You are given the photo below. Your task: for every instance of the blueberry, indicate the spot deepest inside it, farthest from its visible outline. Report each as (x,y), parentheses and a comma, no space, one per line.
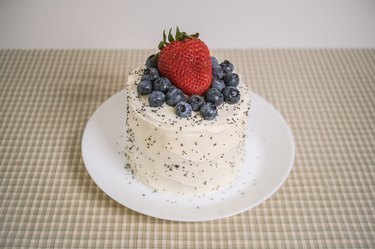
(174,95)
(217,83)
(232,80)
(208,111)
(156,98)
(150,74)
(214,62)
(231,95)
(217,72)
(183,109)
(162,84)
(144,87)
(152,61)
(227,67)
(196,102)
(214,96)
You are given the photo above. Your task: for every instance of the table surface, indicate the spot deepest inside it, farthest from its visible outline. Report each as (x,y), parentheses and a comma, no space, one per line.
(48,200)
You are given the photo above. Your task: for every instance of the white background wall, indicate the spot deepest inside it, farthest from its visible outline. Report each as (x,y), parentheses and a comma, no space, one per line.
(222,24)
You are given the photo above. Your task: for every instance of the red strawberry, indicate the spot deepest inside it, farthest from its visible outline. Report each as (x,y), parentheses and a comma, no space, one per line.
(186,62)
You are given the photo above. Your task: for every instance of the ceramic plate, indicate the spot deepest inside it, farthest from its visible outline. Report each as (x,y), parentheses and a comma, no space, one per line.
(270,155)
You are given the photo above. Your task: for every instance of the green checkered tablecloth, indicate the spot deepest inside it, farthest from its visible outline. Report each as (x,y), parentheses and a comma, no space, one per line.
(48,200)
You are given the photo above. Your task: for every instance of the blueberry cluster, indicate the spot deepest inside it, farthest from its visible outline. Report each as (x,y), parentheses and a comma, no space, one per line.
(225,81)
(161,90)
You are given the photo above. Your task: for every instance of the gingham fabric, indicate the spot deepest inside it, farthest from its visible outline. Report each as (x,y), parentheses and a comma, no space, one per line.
(48,200)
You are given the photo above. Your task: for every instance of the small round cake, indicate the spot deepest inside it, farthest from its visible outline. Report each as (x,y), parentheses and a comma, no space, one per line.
(188,156)
(187,119)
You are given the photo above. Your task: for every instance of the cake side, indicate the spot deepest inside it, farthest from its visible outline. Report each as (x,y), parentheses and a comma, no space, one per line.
(188,156)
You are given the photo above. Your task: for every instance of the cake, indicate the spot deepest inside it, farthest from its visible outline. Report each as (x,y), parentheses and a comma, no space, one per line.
(185,154)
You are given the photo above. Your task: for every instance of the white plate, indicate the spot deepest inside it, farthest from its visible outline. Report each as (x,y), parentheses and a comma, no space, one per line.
(270,155)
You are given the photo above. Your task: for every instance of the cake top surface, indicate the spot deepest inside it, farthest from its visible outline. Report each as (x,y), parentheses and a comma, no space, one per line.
(165,116)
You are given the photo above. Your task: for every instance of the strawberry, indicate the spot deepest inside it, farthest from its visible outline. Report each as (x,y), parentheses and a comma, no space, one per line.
(186,61)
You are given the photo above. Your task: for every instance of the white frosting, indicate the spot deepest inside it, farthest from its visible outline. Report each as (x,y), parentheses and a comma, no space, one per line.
(188,156)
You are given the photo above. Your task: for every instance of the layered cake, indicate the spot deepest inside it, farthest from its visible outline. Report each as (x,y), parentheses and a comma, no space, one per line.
(186,138)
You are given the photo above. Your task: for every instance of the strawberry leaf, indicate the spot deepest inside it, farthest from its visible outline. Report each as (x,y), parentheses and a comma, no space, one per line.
(161,45)
(170,36)
(185,36)
(178,33)
(195,35)
(164,37)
